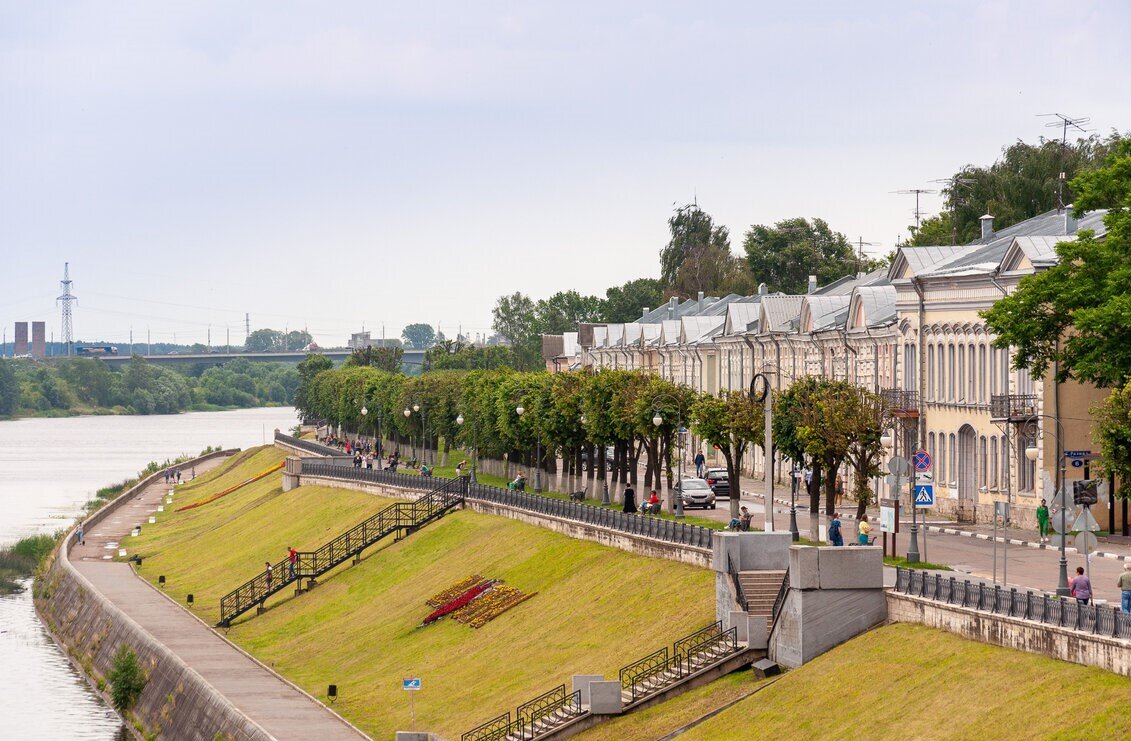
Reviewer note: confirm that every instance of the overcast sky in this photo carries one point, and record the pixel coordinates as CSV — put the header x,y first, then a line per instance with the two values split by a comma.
x,y
330,165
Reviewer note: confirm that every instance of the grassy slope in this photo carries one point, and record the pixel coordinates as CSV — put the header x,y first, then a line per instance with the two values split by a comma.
x,y
357,629
963,690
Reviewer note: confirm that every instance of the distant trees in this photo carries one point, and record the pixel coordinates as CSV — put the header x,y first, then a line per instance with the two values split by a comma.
x,y
624,303
386,358
784,255
419,336
9,388
272,340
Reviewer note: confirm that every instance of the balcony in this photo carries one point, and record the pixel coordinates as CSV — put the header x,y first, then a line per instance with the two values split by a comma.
x,y
1013,407
900,402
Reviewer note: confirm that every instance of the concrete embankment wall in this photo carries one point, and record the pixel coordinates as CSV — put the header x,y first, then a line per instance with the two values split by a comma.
x,y
176,702
1111,654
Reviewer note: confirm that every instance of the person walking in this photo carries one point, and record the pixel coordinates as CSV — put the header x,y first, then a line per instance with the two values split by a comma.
x,y
292,556
836,537
268,563
1043,521
864,529
700,461
1124,584
82,539
1081,586
629,499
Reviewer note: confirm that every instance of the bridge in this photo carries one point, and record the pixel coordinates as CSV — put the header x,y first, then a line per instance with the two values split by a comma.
x,y
413,359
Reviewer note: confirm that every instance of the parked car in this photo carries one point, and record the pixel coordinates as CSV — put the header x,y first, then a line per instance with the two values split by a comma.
x,y
608,459
719,481
695,493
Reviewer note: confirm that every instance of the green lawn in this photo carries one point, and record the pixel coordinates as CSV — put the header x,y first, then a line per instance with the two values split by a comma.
x,y
358,628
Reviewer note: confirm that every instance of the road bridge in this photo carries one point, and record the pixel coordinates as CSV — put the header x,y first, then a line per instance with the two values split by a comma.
x,y
413,359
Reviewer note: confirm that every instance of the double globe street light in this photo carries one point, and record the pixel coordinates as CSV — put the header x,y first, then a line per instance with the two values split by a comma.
x,y
658,420
474,448
520,410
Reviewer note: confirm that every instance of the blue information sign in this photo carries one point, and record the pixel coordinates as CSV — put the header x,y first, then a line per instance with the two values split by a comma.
x,y
924,495
412,683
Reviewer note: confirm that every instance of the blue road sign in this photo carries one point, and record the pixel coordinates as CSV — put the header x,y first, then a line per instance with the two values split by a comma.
x,y
921,460
412,683
1077,453
1077,463
924,495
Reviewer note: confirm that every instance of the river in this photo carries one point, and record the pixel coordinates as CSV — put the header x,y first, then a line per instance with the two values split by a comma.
x,y
49,468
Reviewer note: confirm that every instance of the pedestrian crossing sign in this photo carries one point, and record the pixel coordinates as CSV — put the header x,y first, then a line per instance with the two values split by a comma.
x,y
924,495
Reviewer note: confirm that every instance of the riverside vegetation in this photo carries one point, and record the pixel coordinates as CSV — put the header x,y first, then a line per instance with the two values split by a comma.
x,y
595,608
90,386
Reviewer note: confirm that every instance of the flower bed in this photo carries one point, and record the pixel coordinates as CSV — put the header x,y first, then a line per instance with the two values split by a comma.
x,y
455,590
457,603
490,605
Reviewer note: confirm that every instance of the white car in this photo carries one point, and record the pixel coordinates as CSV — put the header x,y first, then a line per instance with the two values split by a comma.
x,y
695,493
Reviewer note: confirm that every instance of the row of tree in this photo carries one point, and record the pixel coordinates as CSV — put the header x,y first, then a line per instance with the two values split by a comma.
x,y
575,417
86,385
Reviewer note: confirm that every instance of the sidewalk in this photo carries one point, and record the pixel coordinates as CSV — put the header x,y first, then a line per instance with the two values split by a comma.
x,y
280,708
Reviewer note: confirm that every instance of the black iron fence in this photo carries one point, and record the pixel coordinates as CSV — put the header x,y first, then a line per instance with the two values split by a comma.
x,y
531,718
1061,612
669,531
308,445
1013,406
687,655
779,601
900,400
739,592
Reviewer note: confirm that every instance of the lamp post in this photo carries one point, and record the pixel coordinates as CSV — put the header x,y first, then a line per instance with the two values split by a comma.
x,y
474,450
760,392
407,414
794,475
520,410
1032,453
658,420
364,414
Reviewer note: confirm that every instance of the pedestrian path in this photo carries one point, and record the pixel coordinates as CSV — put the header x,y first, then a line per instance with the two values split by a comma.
x,y
281,709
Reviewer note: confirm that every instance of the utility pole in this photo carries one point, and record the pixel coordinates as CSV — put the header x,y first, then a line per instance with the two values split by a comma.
x,y
148,349
246,329
131,342
66,299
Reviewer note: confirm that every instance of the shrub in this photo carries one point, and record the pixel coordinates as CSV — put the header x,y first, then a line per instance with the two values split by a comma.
x,y
127,679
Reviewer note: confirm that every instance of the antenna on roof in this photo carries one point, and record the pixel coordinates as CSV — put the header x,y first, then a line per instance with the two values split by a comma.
x,y
955,184
860,258
918,192
1064,123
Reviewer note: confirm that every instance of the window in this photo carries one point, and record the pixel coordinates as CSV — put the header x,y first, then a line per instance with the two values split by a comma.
x,y
941,395
950,373
971,377
993,377
961,372
910,371
993,462
940,460
1003,369
931,371
1026,469
952,464
982,482
982,374
1004,463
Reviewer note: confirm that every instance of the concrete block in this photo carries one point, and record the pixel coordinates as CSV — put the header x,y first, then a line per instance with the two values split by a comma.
x,y
751,551
605,698
851,568
765,668
413,736
757,633
803,567
738,620
581,684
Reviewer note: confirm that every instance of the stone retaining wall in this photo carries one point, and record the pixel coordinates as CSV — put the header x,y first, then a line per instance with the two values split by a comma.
x,y
1111,654
176,701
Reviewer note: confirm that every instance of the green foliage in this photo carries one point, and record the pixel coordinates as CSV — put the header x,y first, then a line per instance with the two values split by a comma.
x,y
1113,429
624,303
35,547
731,422
563,311
127,679
9,388
386,358
694,236
20,560
419,336
1074,314
459,355
785,255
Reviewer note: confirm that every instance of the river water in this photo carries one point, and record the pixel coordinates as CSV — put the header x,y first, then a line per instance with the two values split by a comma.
x,y
49,468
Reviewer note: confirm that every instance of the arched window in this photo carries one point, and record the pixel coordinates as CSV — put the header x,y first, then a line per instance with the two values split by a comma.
x,y
982,398
982,457
971,376
993,462
950,370
962,372
931,371
952,464
940,460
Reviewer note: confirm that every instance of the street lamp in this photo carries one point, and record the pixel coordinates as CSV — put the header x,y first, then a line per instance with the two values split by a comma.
x,y
795,474
407,414
519,410
1031,453
658,420
474,450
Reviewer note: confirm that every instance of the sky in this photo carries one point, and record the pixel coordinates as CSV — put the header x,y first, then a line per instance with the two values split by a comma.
x,y
334,166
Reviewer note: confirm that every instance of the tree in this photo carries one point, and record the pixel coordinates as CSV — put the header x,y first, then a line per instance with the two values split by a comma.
x,y
563,311
419,336
308,369
9,388
127,678
264,340
693,233
386,358
1113,428
1074,314
624,303
297,339
785,255
731,421
515,320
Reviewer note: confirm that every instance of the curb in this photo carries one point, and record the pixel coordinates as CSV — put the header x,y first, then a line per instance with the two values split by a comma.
x,y
981,536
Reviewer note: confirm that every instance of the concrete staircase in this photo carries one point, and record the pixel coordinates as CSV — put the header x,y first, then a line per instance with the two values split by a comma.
x,y
761,589
678,672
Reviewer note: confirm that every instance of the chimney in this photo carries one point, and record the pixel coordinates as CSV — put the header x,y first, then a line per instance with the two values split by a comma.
x,y
644,312
673,302
812,284
763,289
987,226
1070,222
699,305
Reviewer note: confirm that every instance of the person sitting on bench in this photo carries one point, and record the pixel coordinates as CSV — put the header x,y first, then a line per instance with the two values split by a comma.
x,y
519,483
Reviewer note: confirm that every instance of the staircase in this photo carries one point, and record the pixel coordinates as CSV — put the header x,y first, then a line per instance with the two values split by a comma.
x,y
399,519
761,590
667,667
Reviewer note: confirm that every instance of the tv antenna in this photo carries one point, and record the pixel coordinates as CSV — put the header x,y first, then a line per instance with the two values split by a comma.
x,y
66,299
1064,123
955,184
918,192
860,257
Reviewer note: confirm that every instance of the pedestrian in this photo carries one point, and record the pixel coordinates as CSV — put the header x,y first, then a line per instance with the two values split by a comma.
x,y
1124,584
700,461
836,537
82,539
292,556
839,489
1043,521
1081,586
864,529
629,499
178,475
268,563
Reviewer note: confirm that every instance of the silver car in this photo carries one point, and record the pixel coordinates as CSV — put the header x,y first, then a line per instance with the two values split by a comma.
x,y
696,493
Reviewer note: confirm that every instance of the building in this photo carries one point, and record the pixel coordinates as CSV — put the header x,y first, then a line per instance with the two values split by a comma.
x,y
21,339
38,340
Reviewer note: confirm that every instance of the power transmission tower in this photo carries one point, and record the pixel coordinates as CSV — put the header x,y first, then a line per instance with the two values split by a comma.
x,y
66,299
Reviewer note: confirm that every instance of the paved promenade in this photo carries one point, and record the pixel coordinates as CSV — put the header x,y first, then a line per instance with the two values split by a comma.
x,y
280,709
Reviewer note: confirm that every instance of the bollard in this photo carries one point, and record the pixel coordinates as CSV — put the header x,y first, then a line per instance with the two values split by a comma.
x,y
332,692
188,598
161,581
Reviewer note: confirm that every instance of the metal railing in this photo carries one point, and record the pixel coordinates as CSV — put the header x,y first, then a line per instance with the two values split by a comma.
x,y
1102,620
532,718
900,400
687,655
779,601
669,531
739,592
401,516
1013,406
308,445
498,727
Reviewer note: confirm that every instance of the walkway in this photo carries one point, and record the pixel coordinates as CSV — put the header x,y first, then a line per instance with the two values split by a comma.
x,y
279,708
